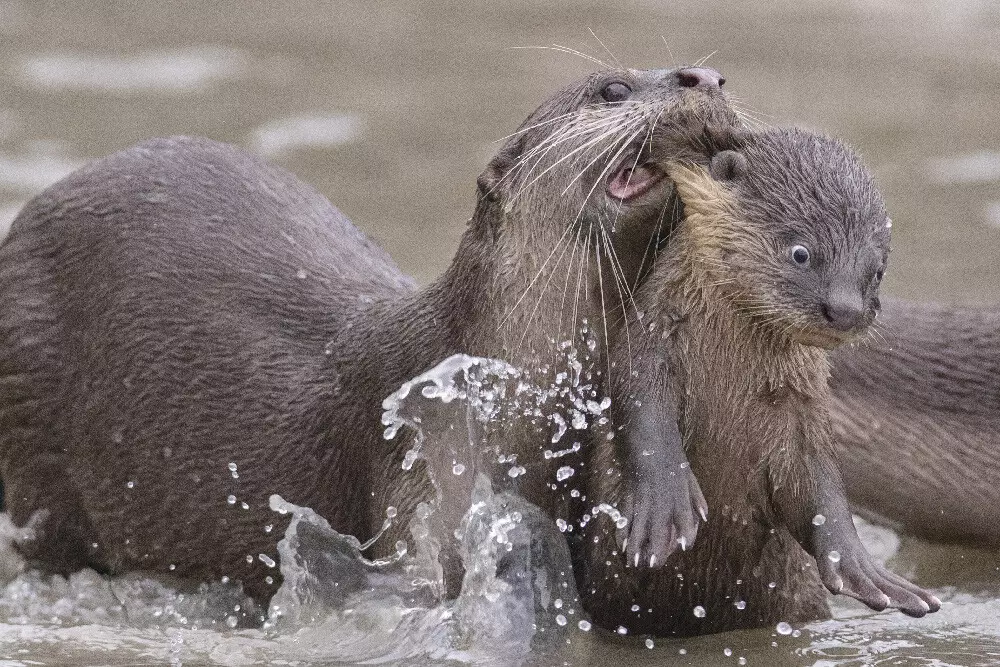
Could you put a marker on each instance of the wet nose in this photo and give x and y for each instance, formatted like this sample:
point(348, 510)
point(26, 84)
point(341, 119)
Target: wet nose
point(844, 312)
point(700, 77)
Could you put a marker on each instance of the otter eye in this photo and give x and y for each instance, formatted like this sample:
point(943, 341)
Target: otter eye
point(800, 255)
point(616, 92)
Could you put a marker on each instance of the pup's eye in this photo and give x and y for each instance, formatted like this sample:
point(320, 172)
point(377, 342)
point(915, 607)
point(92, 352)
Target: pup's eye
point(616, 91)
point(800, 255)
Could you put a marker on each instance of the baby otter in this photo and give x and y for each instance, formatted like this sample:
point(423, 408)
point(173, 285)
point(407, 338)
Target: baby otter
point(778, 259)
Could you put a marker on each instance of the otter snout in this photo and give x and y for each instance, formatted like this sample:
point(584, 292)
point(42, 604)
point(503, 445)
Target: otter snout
point(844, 310)
point(700, 77)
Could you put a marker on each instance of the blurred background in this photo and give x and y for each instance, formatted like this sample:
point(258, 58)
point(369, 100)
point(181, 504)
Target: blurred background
point(391, 109)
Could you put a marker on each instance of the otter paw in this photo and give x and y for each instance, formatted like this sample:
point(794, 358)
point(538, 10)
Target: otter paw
point(663, 512)
point(859, 576)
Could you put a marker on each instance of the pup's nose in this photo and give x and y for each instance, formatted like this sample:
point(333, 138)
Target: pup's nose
point(844, 313)
point(700, 77)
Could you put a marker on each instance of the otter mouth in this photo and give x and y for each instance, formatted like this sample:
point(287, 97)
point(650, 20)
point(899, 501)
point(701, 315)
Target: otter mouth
point(826, 338)
point(633, 179)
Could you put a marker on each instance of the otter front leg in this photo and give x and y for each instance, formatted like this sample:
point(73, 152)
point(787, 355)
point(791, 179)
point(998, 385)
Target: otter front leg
point(663, 501)
point(817, 514)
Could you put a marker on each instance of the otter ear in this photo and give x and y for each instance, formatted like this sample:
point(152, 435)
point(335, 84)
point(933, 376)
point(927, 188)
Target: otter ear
point(490, 180)
point(728, 166)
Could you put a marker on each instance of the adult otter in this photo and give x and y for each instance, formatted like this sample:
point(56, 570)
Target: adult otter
point(778, 257)
point(916, 412)
point(185, 330)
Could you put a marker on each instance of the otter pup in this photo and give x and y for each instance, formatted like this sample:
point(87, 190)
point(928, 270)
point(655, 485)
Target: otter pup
point(778, 258)
point(186, 330)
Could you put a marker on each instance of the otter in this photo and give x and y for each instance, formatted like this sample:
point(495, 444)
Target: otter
point(778, 258)
point(916, 414)
point(186, 330)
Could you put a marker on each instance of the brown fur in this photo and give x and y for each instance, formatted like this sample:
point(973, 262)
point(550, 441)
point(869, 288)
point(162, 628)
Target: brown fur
point(181, 305)
point(752, 394)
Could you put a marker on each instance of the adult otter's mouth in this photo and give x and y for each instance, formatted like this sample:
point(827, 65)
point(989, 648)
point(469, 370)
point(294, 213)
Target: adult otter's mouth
point(633, 180)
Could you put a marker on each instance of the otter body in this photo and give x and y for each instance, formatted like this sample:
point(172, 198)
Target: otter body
point(779, 255)
point(916, 412)
point(186, 330)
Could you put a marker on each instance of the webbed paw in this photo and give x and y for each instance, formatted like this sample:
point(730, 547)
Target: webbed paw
point(858, 575)
point(664, 509)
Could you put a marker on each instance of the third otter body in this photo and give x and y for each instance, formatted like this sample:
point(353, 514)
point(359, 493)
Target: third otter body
point(916, 412)
point(778, 257)
point(186, 330)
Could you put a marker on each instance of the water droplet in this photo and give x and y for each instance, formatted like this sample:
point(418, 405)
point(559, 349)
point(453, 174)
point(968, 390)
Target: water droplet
point(561, 525)
point(834, 556)
point(699, 611)
point(231, 621)
point(649, 643)
point(232, 467)
point(231, 499)
point(742, 661)
point(243, 505)
point(635, 607)
point(269, 580)
point(301, 274)
point(819, 520)
point(130, 484)
point(741, 604)
point(390, 512)
point(622, 630)
point(584, 625)
point(772, 585)
point(266, 560)
point(564, 473)
point(249, 558)
point(784, 628)
point(171, 567)
point(560, 619)
point(683, 651)
point(458, 469)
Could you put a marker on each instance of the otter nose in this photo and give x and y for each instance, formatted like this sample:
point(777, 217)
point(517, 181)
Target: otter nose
point(700, 77)
point(844, 312)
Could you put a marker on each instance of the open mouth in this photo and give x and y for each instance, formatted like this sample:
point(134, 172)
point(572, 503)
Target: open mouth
point(633, 180)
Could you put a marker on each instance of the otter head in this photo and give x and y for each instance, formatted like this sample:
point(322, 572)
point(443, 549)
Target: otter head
point(796, 230)
point(574, 202)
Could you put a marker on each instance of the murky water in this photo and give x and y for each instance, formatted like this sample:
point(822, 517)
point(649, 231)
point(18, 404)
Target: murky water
point(391, 110)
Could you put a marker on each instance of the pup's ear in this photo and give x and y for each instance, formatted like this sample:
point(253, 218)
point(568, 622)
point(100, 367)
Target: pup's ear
point(728, 166)
point(496, 175)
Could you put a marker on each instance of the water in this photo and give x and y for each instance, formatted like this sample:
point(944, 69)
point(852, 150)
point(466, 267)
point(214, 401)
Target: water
point(391, 110)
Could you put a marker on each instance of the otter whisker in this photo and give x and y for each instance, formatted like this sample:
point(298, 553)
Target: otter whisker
point(604, 46)
point(545, 287)
point(669, 52)
point(619, 281)
point(604, 310)
point(702, 61)
point(536, 276)
point(565, 49)
point(569, 274)
point(537, 125)
point(589, 143)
